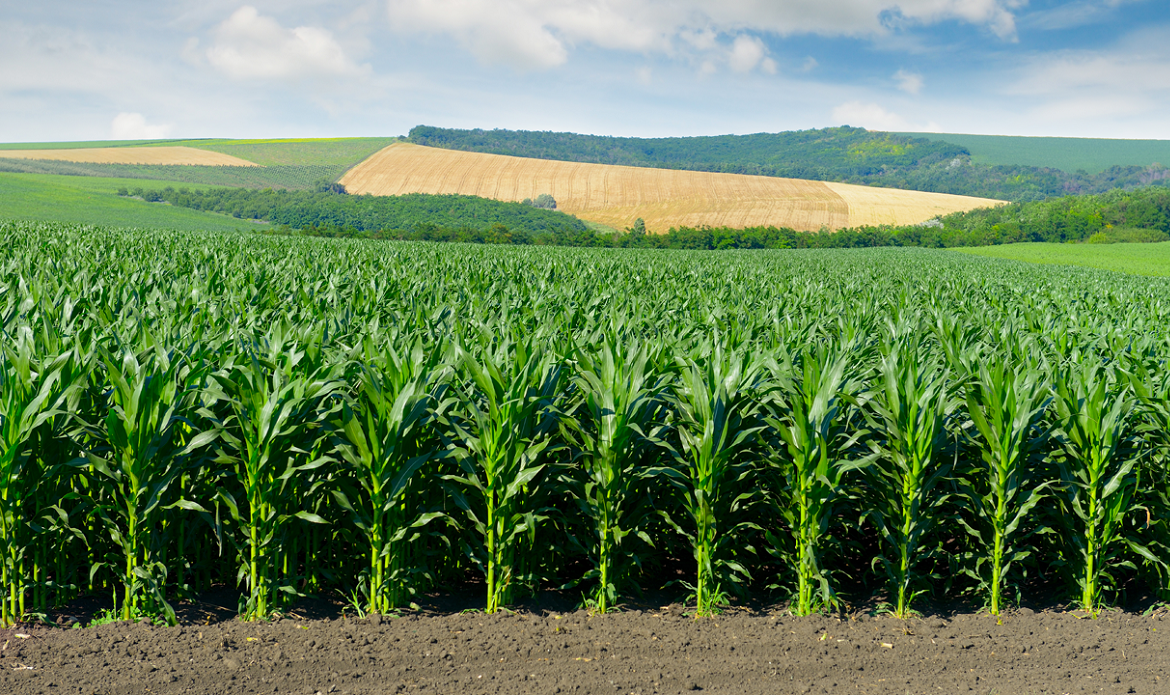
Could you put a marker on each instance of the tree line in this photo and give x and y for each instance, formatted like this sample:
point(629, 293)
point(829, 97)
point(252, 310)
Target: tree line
point(328, 211)
point(1138, 215)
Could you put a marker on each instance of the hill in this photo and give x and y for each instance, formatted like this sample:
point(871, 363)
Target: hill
point(1093, 155)
point(91, 200)
point(293, 164)
point(617, 195)
point(846, 155)
point(165, 155)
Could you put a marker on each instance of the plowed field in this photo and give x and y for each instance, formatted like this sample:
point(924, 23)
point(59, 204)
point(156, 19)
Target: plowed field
point(637, 653)
point(663, 198)
point(133, 155)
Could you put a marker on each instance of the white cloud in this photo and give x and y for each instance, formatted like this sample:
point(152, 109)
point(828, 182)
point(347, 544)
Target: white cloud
point(249, 45)
point(874, 117)
point(909, 82)
point(133, 126)
point(1073, 14)
point(748, 53)
point(496, 33)
point(1126, 83)
point(539, 34)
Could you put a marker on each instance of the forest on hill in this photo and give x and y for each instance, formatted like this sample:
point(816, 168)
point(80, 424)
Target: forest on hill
point(1136, 215)
point(844, 154)
point(328, 211)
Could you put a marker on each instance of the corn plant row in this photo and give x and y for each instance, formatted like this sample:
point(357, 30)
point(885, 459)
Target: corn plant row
point(293, 417)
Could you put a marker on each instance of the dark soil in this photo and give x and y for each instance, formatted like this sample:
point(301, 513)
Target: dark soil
point(638, 651)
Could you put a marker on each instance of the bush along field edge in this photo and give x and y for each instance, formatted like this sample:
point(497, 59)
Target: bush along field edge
point(1139, 215)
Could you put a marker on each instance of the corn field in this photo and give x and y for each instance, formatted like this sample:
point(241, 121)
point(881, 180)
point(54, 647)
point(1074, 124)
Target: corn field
point(297, 417)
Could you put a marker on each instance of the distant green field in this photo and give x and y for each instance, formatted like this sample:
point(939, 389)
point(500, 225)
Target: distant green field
point(1093, 155)
point(344, 152)
point(91, 200)
point(294, 177)
point(287, 163)
point(80, 145)
point(1137, 259)
point(274, 152)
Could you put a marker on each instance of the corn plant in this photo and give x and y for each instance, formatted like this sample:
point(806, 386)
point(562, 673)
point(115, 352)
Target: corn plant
point(1094, 409)
point(389, 435)
point(33, 388)
point(499, 440)
point(1007, 406)
point(716, 403)
point(151, 394)
point(809, 414)
point(279, 410)
point(908, 416)
point(619, 422)
point(1151, 384)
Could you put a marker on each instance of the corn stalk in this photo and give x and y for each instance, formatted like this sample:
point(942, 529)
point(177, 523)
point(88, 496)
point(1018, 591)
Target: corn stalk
point(499, 438)
point(717, 402)
point(908, 416)
point(389, 435)
point(809, 415)
point(33, 388)
point(151, 395)
point(1095, 409)
point(620, 419)
point(280, 403)
point(1007, 406)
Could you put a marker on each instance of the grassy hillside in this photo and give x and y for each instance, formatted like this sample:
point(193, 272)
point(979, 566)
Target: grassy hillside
point(1138, 259)
point(337, 152)
point(1093, 155)
point(294, 164)
point(81, 144)
point(292, 177)
point(845, 155)
point(90, 200)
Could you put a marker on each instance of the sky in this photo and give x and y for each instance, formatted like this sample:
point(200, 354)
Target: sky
point(128, 69)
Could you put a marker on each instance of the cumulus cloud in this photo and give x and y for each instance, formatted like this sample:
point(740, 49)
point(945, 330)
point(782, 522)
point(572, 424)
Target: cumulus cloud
point(539, 34)
point(909, 82)
point(1082, 85)
point(748, 53)
point(874, 117)
point(251, 46)
point(133, 126)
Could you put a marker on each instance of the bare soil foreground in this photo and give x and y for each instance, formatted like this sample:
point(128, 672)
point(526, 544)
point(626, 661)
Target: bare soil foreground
point(661, 651)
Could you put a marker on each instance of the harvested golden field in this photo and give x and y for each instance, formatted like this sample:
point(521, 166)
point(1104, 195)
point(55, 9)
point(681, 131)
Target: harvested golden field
point(663, 198)
point(133, 155)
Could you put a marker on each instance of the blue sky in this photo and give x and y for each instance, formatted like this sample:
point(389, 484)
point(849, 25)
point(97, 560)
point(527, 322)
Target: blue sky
point(313, 68)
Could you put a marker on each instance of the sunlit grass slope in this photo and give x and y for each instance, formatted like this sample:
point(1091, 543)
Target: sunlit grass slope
point(1138, 259)
point(1067, 154)
point(92, 200)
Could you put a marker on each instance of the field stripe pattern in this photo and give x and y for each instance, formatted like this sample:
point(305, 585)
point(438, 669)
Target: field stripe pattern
point(663, 198)
point(134, 155)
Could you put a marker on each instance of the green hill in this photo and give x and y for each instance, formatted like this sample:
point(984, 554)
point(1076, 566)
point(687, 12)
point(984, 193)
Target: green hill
point(92, 200)
point(1093, 155)
point(294, 164)
point(849, 155)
